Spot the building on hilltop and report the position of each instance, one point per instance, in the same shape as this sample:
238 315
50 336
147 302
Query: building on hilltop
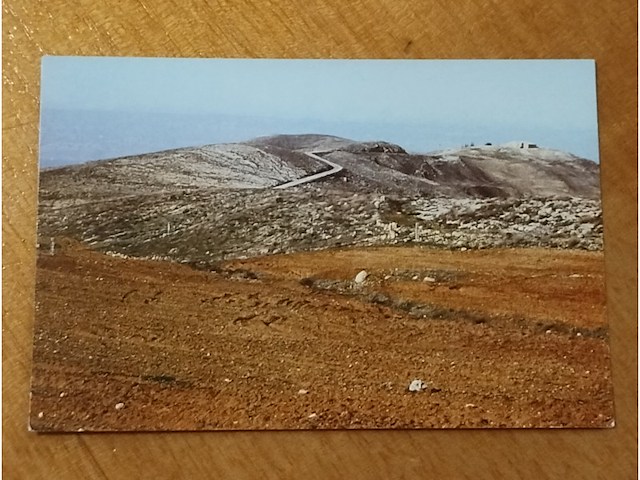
521 144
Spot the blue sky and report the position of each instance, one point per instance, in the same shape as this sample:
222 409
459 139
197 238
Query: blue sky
101 107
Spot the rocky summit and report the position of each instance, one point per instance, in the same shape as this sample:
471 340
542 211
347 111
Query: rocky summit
204 204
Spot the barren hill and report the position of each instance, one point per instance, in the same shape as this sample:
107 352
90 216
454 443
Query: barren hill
304 142
201 205
500 171
228 166
382 167
527 171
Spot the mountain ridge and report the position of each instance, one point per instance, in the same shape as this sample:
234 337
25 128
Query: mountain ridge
266 162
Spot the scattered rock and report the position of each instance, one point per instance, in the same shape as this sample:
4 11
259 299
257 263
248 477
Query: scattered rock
63 394
361 277
429 279
313 415
269 225
119 406
302 391
417 385
41 415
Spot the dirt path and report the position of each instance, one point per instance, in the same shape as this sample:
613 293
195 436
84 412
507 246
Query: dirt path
255 346
335 168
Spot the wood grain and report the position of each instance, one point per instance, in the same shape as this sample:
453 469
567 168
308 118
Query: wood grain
606 31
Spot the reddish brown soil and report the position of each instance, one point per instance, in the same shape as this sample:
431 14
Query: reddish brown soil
523 342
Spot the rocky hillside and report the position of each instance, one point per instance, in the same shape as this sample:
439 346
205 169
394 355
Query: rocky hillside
528 171
382 167
204 227
480 172
228 166
202 205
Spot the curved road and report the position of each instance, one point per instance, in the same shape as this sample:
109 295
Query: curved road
335 168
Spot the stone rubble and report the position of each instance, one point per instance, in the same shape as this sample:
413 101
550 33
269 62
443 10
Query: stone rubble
216 225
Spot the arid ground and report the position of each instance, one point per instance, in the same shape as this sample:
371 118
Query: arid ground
501 338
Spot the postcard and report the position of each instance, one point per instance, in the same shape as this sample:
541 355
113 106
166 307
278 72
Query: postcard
244 244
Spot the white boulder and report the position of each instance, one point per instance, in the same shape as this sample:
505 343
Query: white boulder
417 385
361 277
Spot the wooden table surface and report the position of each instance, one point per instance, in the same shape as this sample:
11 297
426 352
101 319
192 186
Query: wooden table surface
606 31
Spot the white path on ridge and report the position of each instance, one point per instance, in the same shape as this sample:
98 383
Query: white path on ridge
335 168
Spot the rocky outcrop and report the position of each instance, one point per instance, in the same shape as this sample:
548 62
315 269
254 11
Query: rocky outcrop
374 147
206 227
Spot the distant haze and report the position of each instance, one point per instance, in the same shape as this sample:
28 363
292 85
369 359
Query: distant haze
102 107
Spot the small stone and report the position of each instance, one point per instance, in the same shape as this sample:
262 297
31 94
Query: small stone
361 277
302 391
576 275
417 385
119 406
429 279
415 277
63 394
313 415
41 415
548 332
228 380
463 249
470 405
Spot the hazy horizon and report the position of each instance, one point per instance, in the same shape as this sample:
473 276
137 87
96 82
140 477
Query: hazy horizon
103 107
